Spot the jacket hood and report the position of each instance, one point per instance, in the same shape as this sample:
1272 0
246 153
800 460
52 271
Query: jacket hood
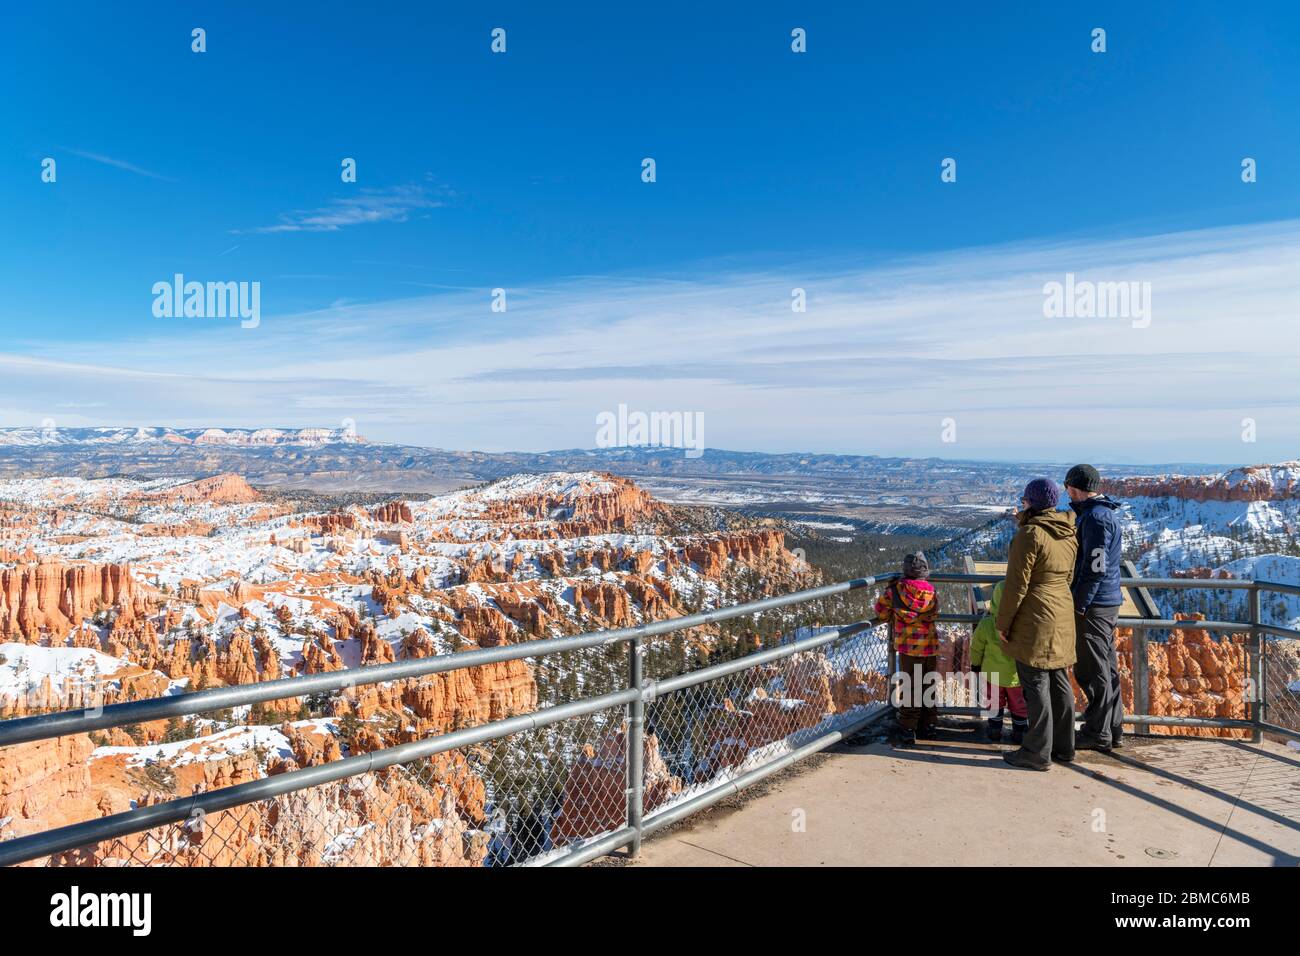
1099 501
1058 524
913 597
995 599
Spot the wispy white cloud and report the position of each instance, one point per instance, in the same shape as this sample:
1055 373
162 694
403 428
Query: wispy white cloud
394 204
120 164
879 359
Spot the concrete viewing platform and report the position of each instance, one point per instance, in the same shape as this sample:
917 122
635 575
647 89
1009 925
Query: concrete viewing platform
953 801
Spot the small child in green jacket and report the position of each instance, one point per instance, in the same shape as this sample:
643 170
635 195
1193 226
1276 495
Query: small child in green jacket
988 656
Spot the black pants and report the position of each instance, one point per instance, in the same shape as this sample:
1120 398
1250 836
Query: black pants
914 713
1049 699
1097 671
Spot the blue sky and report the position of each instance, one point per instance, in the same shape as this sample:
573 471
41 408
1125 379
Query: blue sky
774 170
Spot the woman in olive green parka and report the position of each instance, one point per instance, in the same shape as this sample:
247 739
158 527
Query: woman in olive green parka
1036 620
1037 610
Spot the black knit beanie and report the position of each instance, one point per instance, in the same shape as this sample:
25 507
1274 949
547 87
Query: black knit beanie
916 566
1084 477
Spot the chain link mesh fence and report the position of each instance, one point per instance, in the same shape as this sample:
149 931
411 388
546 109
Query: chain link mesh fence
1281 689
505 801
533 795
704 736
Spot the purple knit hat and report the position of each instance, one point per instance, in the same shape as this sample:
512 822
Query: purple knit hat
1041 494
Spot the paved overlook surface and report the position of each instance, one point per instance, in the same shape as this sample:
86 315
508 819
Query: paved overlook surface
1159 802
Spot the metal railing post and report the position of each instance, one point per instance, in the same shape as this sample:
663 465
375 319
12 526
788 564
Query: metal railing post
1257 638
635 743
1140 670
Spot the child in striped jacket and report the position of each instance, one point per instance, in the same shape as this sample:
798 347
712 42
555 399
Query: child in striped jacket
911 605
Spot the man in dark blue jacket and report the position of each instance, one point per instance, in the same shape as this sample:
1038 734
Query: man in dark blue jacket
1097 599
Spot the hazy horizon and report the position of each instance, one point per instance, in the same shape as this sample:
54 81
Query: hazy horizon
591 450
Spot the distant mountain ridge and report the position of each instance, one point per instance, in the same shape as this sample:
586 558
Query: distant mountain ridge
51 435
165 447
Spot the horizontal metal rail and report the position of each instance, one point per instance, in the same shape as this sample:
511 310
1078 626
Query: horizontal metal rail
1231 584
57 724
1276 729
1241 584
1276 586
667 685
140 819
36 845
1279 631
1162 624
41 726
1188 721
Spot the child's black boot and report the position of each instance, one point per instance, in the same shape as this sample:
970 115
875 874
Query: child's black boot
1018 727
994 730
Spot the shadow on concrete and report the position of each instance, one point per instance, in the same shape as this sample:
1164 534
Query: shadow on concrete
1188 781
1283 758
953 743
1279 858
936 755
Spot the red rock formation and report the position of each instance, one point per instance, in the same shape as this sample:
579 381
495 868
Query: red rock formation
179 530
1190 675
399 538
48 600
585 511
758 549
319 656
438 703
655 596
1202 573
381 819
374 649
227 489
332 523
855 688
45 784
617 509
130 683
594 800
532 612
486 626
954 652
604 602
811 691
553 562
487 569
393 512
641 562
1254 483
241 592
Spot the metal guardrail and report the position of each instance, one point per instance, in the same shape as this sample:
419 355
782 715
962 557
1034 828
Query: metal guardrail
205 701
1265 687
700 709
